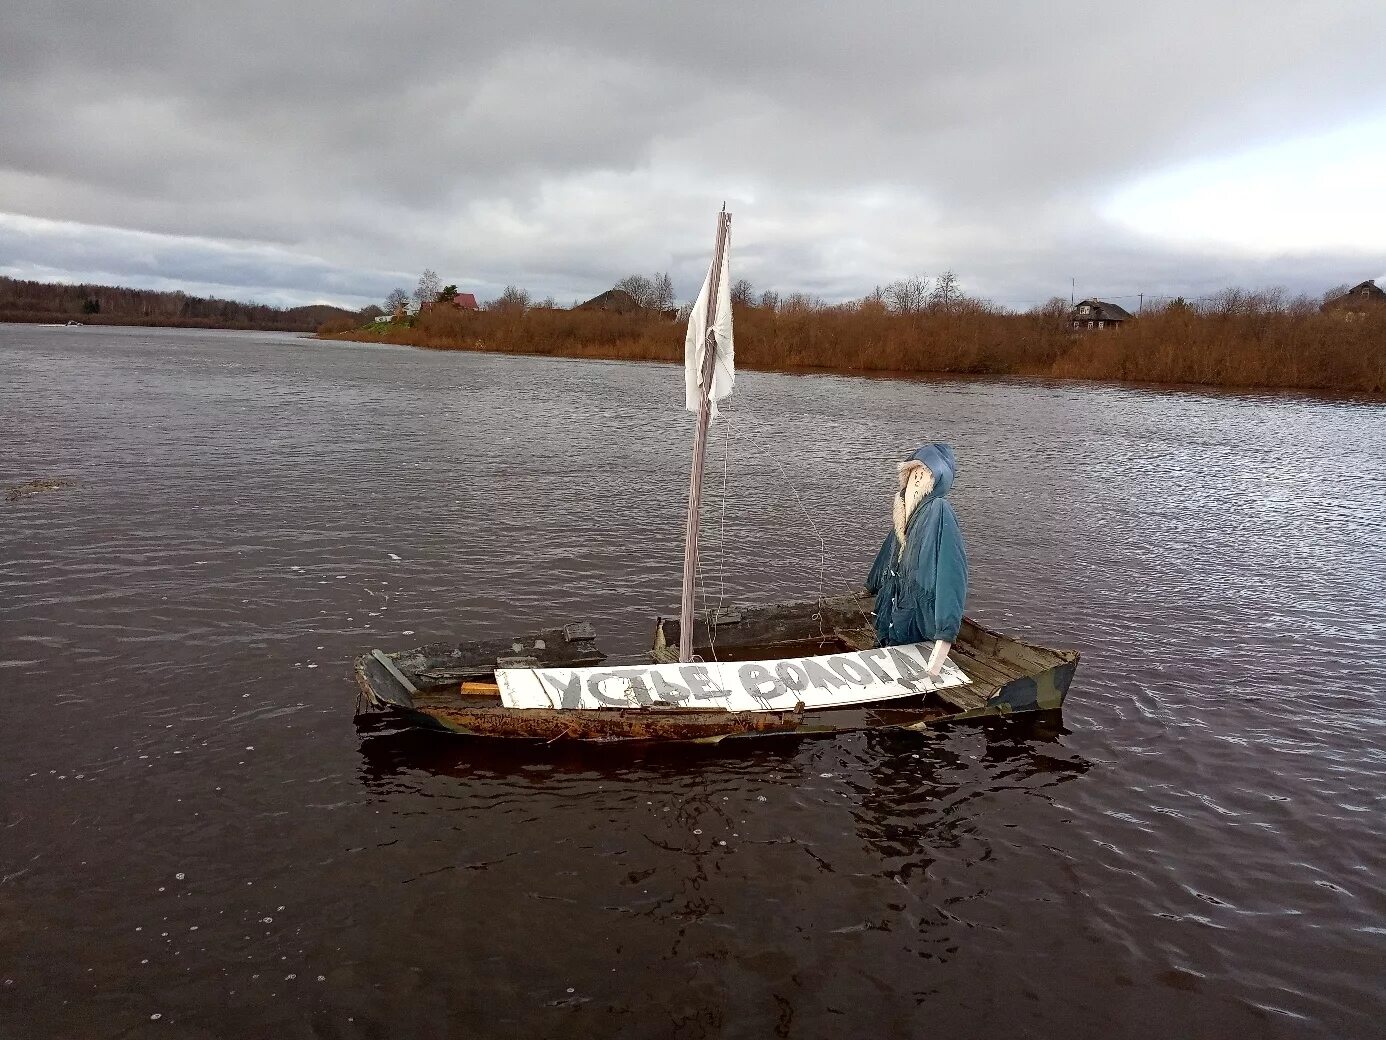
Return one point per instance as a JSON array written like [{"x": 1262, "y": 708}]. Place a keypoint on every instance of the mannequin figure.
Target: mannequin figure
[{"x": 919, "y": 578}]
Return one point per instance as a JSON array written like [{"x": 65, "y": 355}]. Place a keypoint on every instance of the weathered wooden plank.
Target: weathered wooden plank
[
  {"x": 985, "y": 670},
  {"x": 399, "y": 676},
  {"x": 967, "y": 698},
  {"x": 613, "y": 724},
  {"x": 857, "y": 638},
  {"x": 1025, "y": 657}
]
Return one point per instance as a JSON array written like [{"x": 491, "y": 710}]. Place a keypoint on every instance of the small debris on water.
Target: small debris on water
[
  {"x": 393, "y": 556},
  {"x": 155, "y": 1017},
  {"x": 33, "y": 487}
]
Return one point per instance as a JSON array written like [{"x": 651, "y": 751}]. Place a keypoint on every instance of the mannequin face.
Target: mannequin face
[
  {"x": 916, "y": 483},
  {"x": 921, "y": 482}
]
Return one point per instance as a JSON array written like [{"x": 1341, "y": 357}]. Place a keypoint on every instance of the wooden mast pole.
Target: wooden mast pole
[{"x": 695, "y": 487}]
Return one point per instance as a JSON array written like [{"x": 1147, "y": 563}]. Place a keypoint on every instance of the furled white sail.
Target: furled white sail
[{"x": 724, "y": 372}]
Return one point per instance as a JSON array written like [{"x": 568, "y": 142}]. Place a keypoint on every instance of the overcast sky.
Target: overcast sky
[{"x": 306, "y": 151}]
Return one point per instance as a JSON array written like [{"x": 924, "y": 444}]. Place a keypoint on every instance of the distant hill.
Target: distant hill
[{"x": 116, "y": 305}]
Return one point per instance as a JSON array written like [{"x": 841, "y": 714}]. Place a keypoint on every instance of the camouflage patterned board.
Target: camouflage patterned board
[{"x": 833, "y": 681}]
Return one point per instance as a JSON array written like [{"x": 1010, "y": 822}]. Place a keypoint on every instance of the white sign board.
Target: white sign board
[{"x": 837, "y": 680}]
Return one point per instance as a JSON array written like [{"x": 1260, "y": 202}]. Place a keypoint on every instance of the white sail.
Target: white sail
[{"x": 724, "y": 371}]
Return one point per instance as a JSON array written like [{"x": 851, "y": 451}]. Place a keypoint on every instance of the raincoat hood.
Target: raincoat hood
[{"x": 941, "y": 463}]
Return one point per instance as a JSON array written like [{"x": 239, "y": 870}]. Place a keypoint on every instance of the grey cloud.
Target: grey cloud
[{"x": 561, "y": 146}]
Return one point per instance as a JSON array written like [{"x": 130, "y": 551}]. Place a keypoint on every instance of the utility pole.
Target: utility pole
[
  {"x": 1072, "y": 291},
  {"x": 1141, "y": 309}
]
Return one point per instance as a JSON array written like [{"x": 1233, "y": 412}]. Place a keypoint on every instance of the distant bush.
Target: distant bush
[
  {"x": 1236, "y": 338},
  {"x": 117, "y": 305},
  {"x": 335, "y": 326}
]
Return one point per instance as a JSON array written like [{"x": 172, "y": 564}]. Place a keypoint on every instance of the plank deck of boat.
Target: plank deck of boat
[
  {"x": 981, "y": 667},
  {"x": 1030, "y": 659}
]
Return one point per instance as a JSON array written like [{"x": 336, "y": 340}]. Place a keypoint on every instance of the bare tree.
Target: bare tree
[
  {"x": 873, "y": 302},
  {"x": 742, "y": 291},
  {"x": 662, "y": 291},
  {"x": 907, "y": 296},
  {"x": 946, "y": 292},
  {"x": 641, "y": 289},
  {"x": 1335, "y": 292},
  {"x": 396, "y": 301},
  {"x": 1054, "y": 311},
  {"x": 428, "y": 288},
  {"x": 512, "y": 298},
  {"x": 770, "y": 300},
  {"x": 800, "y": 303}
]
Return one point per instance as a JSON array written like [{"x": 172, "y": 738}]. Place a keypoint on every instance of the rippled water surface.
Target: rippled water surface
[{"x": 197, "y": 841}]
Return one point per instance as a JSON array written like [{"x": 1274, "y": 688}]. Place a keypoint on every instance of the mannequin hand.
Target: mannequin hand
[{"x": 937, "y": 658}]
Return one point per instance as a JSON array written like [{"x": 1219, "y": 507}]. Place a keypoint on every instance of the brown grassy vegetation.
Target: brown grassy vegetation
[
  {"x": 54, "y": 302},
  {"x": 1234, "y": 339}
]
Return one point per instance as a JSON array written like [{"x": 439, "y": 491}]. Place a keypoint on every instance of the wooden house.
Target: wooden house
[
  {"x": 1098, "y": 314},
  {"x": 617, "y": 300},
  {"x": 1362, "y": 299},
  {"x": 463, "y": 301}
]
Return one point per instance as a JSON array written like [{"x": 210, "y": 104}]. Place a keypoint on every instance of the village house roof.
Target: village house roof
[
  {"x": 1099, "y": 310},
  {"x": 617, "y": 300},
  {"x": 1360, "y": 297},
  {"x": 465, "y": 301}
]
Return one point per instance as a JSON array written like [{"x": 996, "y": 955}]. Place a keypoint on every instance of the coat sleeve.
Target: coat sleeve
[
  {"x": 950, "y": 584},
  {"x": 885, "y": 556}
]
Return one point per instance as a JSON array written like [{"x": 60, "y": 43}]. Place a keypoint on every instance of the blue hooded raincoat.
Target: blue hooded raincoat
[{"x": 920, "y": 593}]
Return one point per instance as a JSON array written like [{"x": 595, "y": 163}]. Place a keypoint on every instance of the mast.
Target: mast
[{"x": 695, "y": 486}]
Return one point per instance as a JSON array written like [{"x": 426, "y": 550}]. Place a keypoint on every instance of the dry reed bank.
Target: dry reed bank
[
  {"x": 1235, "y": 339},
  {"x": 54, "y": 302}
]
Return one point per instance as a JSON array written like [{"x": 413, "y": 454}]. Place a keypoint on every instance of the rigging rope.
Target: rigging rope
[
  {"x": 729, "y": 428},
  {"x": 822, "y": 543}
]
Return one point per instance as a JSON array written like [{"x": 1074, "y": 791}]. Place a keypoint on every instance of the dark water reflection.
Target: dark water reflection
[{"x": 192, "y": 827}]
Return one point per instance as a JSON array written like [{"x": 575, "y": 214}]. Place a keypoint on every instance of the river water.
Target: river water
[{"x": 197, "y": 841}]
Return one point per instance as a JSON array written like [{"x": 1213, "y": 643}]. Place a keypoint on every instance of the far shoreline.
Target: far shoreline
[{"x": 1245, "y": 390}]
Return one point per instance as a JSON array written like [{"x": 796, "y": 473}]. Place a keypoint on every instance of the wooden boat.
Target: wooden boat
[
  {"x": 801, "y": 668},
  {"x": 454, "y": 687}
]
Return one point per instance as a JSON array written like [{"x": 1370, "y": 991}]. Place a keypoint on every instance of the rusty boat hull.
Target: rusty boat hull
[{"x": 451, "y": 687}]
